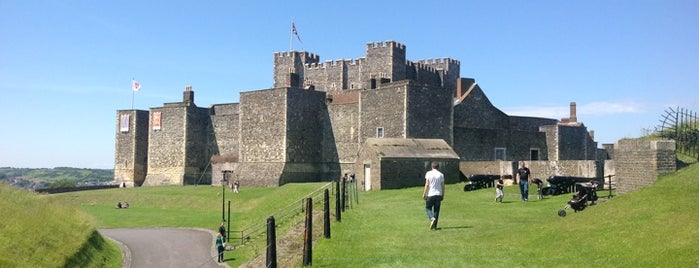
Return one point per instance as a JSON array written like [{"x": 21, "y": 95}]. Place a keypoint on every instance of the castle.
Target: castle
[{"x": 380, "y": 116}]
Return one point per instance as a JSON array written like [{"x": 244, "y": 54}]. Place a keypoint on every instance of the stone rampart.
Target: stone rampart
[
  {"x": 540, "y": 169},
  {"x": 639, "y": 162}
]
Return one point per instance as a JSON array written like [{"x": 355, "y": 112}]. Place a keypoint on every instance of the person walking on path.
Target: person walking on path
[
  {"x": 220, "y": 246},
  {"x": 523, "y": 174},
  {"x": 433, "y": 194}
]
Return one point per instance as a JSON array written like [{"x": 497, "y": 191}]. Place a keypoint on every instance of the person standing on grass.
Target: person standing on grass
[
  {"x": 220, "y": 246},
  {"x": 499, "y": 194},
  {"x": 433, "y": 194},
  {"x": 222, "y": 230},
  {"x": 523, "y": 174}
]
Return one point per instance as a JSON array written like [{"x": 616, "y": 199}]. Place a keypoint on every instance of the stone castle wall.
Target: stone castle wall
[
  {"x": 540, "y": 169},
  {"x": 639, "y": 162},
  {"x": 383, "y": 61},
  {"x": 304, "y": 133},
  {"x": 131, "y": 148},
  {"x": 224, "y": 132},
  {"x": 197, "y": 155},
  {"x": 575, "y": 143},
  {"x": 382, "y": 108},
  {"x": 263, "y": 125},
  {"x": 311, "y": 125},
  {"x": 429, "y": 113},
  {"x": 177, "y": 151},
  {"x": 343, "y": 116}
]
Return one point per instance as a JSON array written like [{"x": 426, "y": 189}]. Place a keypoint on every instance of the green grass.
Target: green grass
[
  {"x": 189, "y": 206},
  {"x": 652, "y": 227},
  {"x": 36, "y": 232}
]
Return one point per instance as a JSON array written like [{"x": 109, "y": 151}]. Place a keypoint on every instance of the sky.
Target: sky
[{"x": 66, "y": 67}]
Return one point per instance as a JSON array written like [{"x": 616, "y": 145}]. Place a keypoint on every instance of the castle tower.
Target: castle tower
[
  {"x": 449, "y": 71},
  {"x": 289, "y": 67},
  {"x": 283, "y": 144},
  {"x": 178, "y": 143},
  {"x": 385, "y": 62},
  {"x": 131, "y": 152}
]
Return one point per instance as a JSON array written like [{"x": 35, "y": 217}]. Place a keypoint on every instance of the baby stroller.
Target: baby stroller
[{"x": 587, "y": 194}]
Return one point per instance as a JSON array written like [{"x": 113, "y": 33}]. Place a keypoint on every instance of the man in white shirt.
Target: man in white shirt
[{"x": 433, "y": 194}]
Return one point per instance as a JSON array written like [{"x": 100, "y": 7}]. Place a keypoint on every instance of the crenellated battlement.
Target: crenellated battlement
[
  {"x": 386, "y": 59},
  {"x": 309, "y": 57},
  {"x": 421, "y": 65},
  {"x": 389, "y": 43},
  {"x": 447, "y": 61}
]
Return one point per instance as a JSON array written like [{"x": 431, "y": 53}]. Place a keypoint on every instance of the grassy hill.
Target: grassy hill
[
  {"x": 655, "y": 226},
  {"x": 37, "y": 232},
  {"x": 39, "y": 178}
]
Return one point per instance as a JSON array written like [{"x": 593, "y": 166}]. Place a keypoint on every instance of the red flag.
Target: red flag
[
  {"x": 293, "y": 30},
  {"x": 136, "y": 86}
]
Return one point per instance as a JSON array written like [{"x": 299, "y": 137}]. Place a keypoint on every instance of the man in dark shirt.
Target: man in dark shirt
[{"x": 523, "y": 174}]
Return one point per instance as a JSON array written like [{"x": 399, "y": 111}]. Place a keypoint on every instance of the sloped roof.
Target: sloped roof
[{"x": 410, "y": 148}]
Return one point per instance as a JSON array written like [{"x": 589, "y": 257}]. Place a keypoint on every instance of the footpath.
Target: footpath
[{"x": 165, "y": 247}]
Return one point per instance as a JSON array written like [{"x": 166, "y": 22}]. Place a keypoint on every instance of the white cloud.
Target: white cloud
[{"x": 588, "y": 109}]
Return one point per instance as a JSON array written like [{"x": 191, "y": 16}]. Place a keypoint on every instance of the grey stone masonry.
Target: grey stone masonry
[
  {"x": 313, "y": 121},
  {"x": 639, "y": 162},
  {"x": 131, "y": 152}
]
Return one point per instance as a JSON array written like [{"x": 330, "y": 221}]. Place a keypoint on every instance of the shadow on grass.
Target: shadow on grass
[{"x": 454, "y": 227}]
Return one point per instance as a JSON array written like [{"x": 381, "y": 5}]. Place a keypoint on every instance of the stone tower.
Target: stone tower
[
  {"x": 131, "y": 147},
  {"x": 178, "y": 143}
]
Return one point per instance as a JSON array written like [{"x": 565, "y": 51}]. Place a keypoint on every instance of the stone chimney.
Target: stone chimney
[
  {"x": 462, "y": 85},
  {"x": 573, "y": 113},
  {"x": 188, "y": 95}
]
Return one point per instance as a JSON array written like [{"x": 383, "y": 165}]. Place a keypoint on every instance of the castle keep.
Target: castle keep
[{"x": 367, "y": 116}]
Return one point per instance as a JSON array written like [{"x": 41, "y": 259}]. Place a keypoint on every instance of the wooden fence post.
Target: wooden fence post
[
  {"x": 271, "y": 243},
  {"x": 308, "y": 237},
  {"x": 326, "y": 214},
  {"x": 338, "y": 208}
]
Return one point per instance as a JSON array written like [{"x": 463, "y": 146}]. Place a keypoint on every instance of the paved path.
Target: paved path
[{"x": 165, "y": 247}]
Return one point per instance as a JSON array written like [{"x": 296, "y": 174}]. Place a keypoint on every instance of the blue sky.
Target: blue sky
[{"x": 66, "y": 66}]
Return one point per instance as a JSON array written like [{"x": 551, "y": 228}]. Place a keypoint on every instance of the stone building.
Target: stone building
[
  {"x": 311, "y": 125},
  {"x": 399, "y": 163}
]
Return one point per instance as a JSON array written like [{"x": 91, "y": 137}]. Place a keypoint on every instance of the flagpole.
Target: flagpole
[
  {"x": 291, "y": 36},
  {"x": 133, "y": 92}
]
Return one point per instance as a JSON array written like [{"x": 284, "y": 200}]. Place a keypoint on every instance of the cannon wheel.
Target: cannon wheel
[{"x": 562, "y": 213}]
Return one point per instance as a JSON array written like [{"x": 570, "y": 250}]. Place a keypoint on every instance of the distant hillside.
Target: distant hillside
[{"x": 40, "y": 178}]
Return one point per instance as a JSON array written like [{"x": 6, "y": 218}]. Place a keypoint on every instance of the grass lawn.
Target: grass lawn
[{"x": 653, "y": 227}]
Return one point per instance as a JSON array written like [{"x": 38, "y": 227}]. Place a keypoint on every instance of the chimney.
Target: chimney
[
  {"x": 462, "y": 85},
  {"x": 188, "y": 95},
  {"x": 573, "y": 113}
]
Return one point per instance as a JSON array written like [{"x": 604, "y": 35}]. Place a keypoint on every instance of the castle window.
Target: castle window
[
  {"x": 534, "y": 154},
  {"x": 500, "y": 153},
  {"x": 379, "y": 132}
]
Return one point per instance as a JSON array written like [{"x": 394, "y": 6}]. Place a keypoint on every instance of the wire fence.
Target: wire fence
[
  {"x": 291, "y": 215},
  {"x": 681, "y": 125},
  {"x": 296, "y": 208}
]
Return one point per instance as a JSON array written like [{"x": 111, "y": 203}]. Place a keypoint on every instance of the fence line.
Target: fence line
[
  {"x": 290, "y": 212},
  {"x": 681, "y": 125},
  {"x": 249, "y": 232}
]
